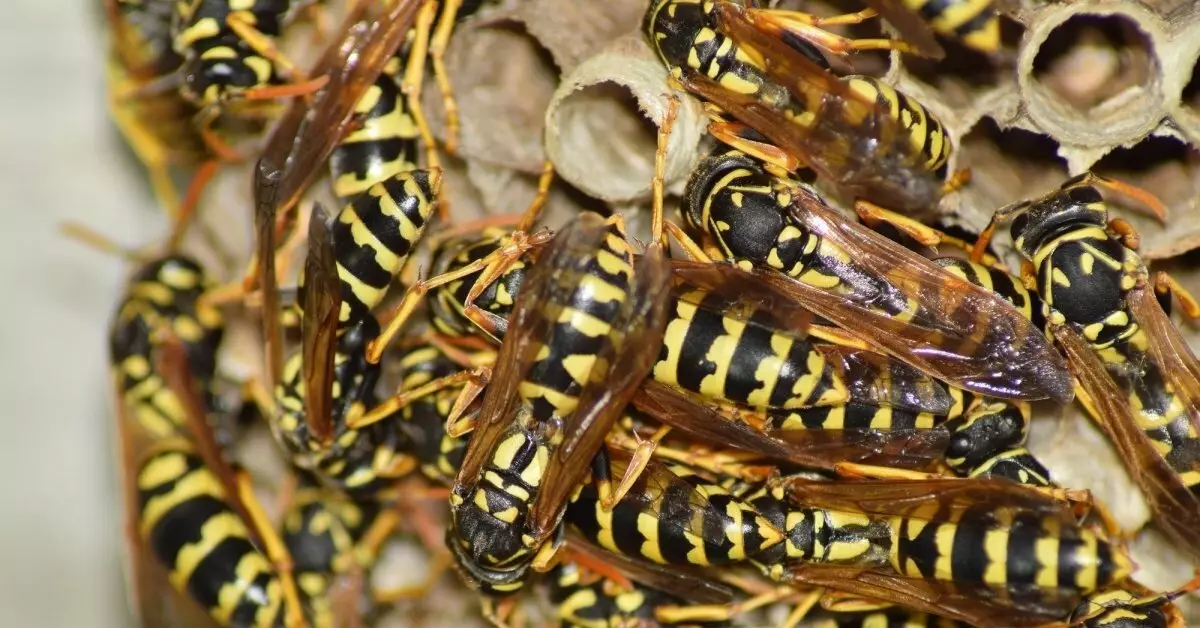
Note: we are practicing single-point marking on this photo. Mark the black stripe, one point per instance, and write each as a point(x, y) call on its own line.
point(1022, 563)
point(676, 513)
point(217, 569)
point(968, 554)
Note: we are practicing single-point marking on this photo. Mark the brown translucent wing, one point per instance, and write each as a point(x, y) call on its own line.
point(968, 337)
point(681, 581)
point(911, 27)
point(742, 292)
point(876, 379)
point(532, 316)
point(266, 188)
point(305, 135)
point(975, 605)
point(900, 448)
point(630, 351)
point(1168, 348)
point(322, 303)
point(1177, 508)
point(153, 601)
point(699, 420)
point(937, 499)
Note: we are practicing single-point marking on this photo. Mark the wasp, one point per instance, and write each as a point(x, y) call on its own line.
point(857, 132)
point(330, 378)
point(876, 290)
point(187, 506)
point(164, 293)
point(581, 337)
point(292, 155)
point(1138, 377)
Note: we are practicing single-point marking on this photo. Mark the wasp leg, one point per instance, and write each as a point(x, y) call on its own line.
point(872, 215)
point(1126, 233)
point(276, 551)
point(660, 169)
point(643, 450)
point(726, 612)
point(808, 27)
point(694, 251)
point(470, 379)
point(1148, 201)
point(1165, 286)
point(957, 181)
point(437, 53)
point(413, 80)
point(149, 150)
point(745, 139)
point(242, 289)
point(187, 209)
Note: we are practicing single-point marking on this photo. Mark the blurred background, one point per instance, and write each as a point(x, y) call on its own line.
point(60, 159)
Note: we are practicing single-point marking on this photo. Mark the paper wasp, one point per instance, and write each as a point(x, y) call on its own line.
point(876, 290)
point(188, 510)
point(869, 140)
point(582, 335)
point(1138, 377)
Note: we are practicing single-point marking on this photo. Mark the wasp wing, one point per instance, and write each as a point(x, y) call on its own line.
point(849, 138)
point(949, 328)
point(936, 499)
point(896, 448)
point(626, 357)
point(1176, 507)
point(689, 584)
point(978, 606)
point(1168, 348)
point(876, 379)
point(322, 304)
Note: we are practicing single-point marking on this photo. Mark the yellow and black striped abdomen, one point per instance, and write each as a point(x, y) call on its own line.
point(599, 283)
point(668, 519)
point(163, 296)
point(386, 143)
point(890, 618)
point(374, 235)
point(926, 134)
point(1029, 551)
point(188, 523)
point(746, 360)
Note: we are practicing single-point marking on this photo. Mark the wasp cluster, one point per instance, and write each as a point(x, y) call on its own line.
point(868, 414)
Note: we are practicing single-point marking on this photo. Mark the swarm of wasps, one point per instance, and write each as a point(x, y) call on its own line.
point(787, 410)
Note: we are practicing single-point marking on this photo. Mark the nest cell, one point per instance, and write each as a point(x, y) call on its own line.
point(1090, 59)
point(1092, 79)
